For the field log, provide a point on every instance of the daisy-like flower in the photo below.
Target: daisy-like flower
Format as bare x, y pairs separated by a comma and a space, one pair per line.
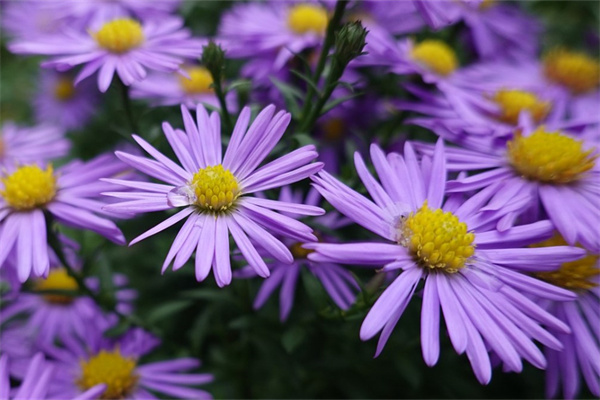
28, 20
581, 354
278, 29
216, 191
337, 281
175, 89
35, 382
51, 316
539, 171
124, 45
59, 102
114, 364
23, 145
70, 194
468, 266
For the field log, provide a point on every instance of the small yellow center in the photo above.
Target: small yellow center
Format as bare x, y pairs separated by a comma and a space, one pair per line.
58, 279
435, 55
437, 239
550, 157
120, 35
216, 188
29, 187
199, 82
577, 71
304, 18
112, 369
299, 252
64, 89
513, 102
334, 129
573, 275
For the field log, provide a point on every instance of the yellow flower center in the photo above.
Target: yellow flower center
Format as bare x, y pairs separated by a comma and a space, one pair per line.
437, 239
216, 188
199, 82
435, 55
58, 279
577, 71
120, 35
299, 252
304, 18
550, 157
334, 129
64, 89
112, 369
573, 275
29, 187
513, 102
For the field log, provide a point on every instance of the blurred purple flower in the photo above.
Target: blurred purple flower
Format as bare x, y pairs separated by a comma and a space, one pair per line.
25, 145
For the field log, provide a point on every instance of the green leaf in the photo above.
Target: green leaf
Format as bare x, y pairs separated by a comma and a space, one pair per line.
118, 329
306, 79
167, 309
332, 104
291, 95
293, 338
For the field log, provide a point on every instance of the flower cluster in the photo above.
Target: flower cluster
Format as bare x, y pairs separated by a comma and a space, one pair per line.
370, 157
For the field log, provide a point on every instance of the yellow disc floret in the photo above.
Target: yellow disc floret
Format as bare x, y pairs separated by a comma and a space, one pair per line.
304, 18
577, 71
436, 56
573, 275
300, 252
513, 102
550, 157
58, 279
29, 187
199, 81
64, 89
120, 35
112, 369
437, 239
216, 188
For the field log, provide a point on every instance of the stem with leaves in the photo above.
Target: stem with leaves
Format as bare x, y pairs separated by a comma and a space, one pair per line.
126, 98
213, 58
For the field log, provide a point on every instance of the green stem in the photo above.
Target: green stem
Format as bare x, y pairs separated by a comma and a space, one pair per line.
332, 26
218, 86
126, 98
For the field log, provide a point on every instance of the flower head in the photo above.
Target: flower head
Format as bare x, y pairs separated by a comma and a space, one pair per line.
68, 193
123, 45
467, 265
216, 191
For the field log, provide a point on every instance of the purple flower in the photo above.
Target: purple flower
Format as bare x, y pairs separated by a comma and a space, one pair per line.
175, 89
581, 353
59, 102
337, 281
29, 20
24, 145
69, 194
35, 382
56, 316
537, 172
468, 266
216, 191
286, 28
123, 45
115, 365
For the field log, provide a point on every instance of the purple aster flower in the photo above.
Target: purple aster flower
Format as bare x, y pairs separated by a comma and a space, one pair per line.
24, 145
70, 194
468, 267
115, 364
538, 172
337, 281
175, 89
50, 316
35, 382
581, 354
28, 20
216, 191
123, 45
439, 14
393, 17
286, 28
59, 102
